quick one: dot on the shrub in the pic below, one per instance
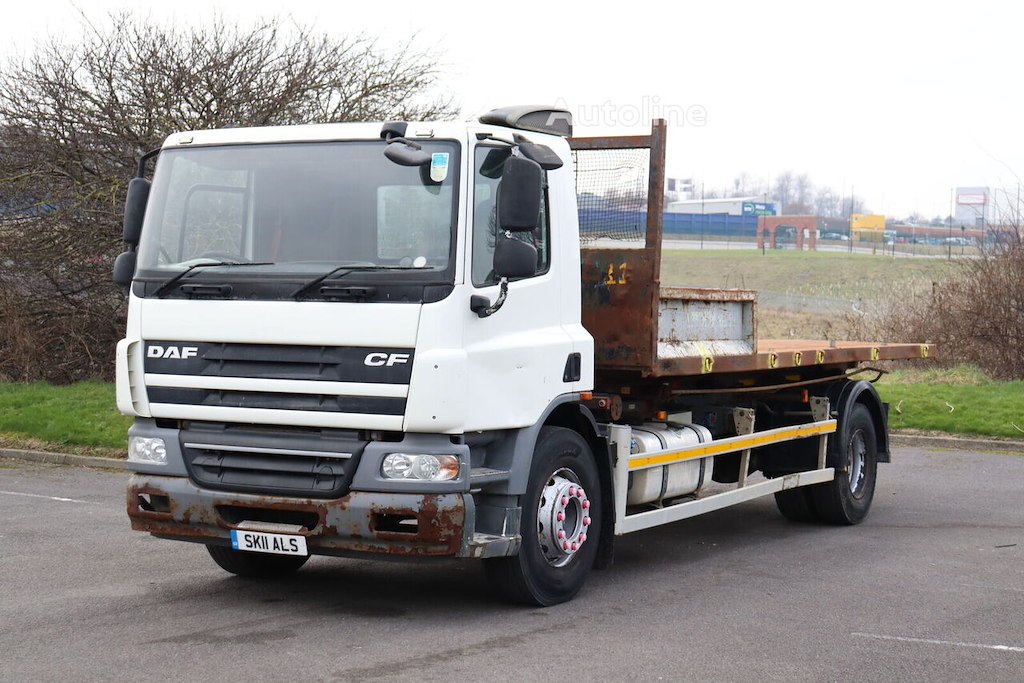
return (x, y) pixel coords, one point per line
(975, 317)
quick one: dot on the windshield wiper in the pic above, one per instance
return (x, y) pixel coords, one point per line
(340, 272)
(183, 274)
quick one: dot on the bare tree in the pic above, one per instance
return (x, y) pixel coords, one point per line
(803, 195)
(74, 118)
(976, 315)
(746, 185)
(826, 203)
(795, 193)
(782, 191)
(851, 205)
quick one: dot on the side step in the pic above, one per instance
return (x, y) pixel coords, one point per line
(486, 475)
(486, 545)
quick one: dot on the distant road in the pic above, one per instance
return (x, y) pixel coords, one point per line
(670, 243)
(716, 245)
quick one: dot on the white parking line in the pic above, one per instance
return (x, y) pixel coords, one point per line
(36, 495)
(1002, 648)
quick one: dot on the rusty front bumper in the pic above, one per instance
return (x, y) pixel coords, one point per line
(394, 524)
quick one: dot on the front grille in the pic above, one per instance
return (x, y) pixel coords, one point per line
(249, 461)
(280, 361)
(169, 365)
(219, 398)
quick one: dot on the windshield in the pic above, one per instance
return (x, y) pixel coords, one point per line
(296, 211)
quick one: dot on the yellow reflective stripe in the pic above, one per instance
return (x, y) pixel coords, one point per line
(734, 444)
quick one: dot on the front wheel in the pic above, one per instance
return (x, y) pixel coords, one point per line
(560, 525)
(255, 565)
(847, 498)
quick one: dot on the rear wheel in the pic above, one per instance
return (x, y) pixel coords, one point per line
(255, 565)
(795, 504)
(560, 525)
(847, 498)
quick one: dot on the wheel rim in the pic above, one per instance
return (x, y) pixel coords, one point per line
(563, 516)
(858, 450)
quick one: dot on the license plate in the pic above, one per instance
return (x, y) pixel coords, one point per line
(262, 542)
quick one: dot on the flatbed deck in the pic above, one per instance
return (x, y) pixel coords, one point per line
(780, 354)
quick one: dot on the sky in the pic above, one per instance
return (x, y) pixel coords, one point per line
(897, 102)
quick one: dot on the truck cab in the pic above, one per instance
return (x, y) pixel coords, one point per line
(305, 343)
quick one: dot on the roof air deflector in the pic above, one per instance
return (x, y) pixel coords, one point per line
(536, 118)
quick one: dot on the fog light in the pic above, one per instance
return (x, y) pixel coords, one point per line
(144, 449)
(422, 467)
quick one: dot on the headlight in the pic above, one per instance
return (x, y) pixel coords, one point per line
(423, 467)
(152, 451)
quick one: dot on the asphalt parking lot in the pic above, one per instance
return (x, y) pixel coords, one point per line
(930, 587)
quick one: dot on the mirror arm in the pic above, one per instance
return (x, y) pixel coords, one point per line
(483, 307)
(404, 141)
(141, 173)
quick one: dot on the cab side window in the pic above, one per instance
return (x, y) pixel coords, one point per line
(488, 167)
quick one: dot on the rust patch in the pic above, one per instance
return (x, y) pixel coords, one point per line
(705, 294)
(622, 318)
(173, 528)
(611, 142)
(396, 550)
(135, 509)
(605, 404)
(441, 527)
(783, 354)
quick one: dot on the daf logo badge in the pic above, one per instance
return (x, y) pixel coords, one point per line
(178, 352)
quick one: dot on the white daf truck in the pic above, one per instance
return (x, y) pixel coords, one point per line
(417, 339)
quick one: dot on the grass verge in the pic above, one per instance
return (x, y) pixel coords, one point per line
(79, 418)
(833, 275)
(959, 400)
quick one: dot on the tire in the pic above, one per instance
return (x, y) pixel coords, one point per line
(847, 499)
(560, 536)
(255, 565)
(796, 505)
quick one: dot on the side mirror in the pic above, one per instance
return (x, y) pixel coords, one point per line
(514, 258)
(542, 154)
(135, 210)
(519, 195)
(124, 269)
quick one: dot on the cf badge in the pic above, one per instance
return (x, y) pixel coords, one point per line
(378, 359)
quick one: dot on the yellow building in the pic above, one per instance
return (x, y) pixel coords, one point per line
(867, 227)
